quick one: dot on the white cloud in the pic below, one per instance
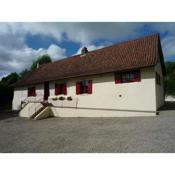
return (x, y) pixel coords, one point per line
(54, 51)
(27, 55)
(163, 27)
(16, 59)
(83, 33)
(15, 54)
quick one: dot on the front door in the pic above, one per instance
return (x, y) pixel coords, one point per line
(46, 90)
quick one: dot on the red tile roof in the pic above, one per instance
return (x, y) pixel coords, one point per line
(138, 53)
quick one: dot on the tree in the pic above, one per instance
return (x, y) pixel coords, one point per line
(10, 79)
(170, 70)
(170, 78)
(6, 89)
(23, 73)
(40, 60)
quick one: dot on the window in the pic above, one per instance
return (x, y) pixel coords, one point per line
(60, 88)
(84, 87)
(31, 91)
(127, 77)
(158, 79)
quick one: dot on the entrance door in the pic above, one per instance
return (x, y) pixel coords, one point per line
(46, 90)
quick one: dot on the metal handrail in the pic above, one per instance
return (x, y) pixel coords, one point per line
(25, 102)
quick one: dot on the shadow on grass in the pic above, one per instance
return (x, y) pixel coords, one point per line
(6, 112)
(169, 105)
(6, 115)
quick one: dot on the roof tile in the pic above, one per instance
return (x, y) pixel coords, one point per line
(132, 54)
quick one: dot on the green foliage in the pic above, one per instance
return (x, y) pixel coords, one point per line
(170, 78)
(40, 60)
(6, 88)
(170, 69)
(10, 79)
(170, 87)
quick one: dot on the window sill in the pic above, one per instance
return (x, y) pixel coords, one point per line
(85, 94)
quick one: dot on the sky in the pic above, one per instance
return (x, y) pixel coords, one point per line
(22, 43)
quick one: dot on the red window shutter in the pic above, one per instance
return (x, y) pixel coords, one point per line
(64, 89)
(34, 91)
(28, 92)
(31, 91)
(90, 87)
(137, 76)
(77, 88)
(117, 78)
(56, 89)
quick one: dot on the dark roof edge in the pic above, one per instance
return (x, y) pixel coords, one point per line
(57, 79)
(161, 56)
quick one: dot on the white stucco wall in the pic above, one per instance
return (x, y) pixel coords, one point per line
(105, 93)
(79, 112)
(40, 90)
(20, 94)
(136, 98)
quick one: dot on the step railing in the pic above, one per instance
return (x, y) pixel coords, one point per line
(24, 103)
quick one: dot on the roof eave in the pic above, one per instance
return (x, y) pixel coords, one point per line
(77, 76)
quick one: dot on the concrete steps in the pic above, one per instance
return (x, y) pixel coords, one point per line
(45, 113)
(36, 110)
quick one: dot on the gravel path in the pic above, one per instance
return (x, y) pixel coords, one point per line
(134, 134)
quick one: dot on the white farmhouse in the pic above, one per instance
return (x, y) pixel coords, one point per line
(124, 79)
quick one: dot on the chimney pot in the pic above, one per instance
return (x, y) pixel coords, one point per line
(84, 51)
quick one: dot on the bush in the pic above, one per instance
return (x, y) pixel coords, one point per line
(54, 98)
(170, 87)
(6, 88)
(61, 98)
(69, 98)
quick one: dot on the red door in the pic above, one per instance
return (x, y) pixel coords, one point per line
(46, 90)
